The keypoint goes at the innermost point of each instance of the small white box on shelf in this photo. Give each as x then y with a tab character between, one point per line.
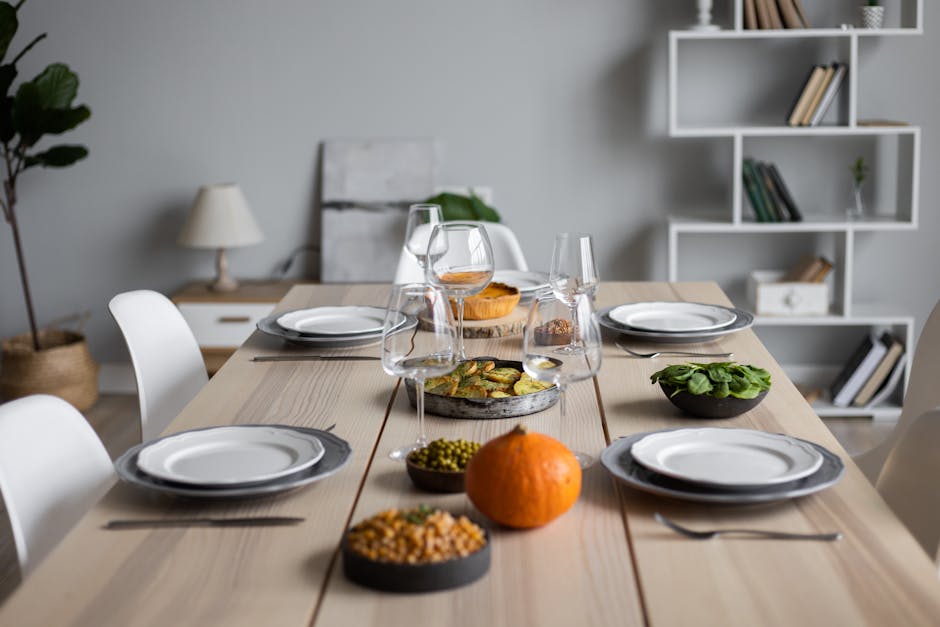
770	297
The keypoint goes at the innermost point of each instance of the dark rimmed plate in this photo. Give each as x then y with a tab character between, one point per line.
743	320
336	456
269	326
486	408
619	462
417	577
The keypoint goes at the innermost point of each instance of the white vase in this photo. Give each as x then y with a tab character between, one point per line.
872	17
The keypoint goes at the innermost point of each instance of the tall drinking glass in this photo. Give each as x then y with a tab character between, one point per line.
422	218
417	352
460	261
552	323
573	272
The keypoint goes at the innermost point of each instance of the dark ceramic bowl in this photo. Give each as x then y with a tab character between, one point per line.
435	480
705	406
416	577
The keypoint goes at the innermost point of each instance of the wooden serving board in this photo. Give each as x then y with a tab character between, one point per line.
511	324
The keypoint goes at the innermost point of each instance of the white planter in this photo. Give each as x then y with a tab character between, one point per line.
872	17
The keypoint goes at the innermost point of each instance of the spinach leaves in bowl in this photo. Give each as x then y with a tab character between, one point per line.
718	380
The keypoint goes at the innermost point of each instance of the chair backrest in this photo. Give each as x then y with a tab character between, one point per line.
507	253
910	480
53	468
922	394
168	365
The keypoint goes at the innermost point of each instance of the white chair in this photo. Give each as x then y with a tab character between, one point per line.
507	253
168	365
923	394
53	468
910	480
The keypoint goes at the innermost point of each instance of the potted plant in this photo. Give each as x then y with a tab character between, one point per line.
52	361
859	171
873	14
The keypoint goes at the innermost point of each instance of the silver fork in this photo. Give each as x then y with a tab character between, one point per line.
758	533
682	353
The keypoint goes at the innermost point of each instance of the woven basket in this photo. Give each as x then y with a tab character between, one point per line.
63	368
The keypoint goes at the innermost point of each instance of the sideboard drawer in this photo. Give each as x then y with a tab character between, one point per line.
223	325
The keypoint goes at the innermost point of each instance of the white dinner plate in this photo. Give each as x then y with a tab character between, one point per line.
336	457
619	462
522	280
333	320
673	317
743	320
727	458
226	456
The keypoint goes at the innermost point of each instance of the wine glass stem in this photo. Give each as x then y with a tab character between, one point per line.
561	400
461	354
419	396
573	342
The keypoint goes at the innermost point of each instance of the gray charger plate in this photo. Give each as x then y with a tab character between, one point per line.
743	320
336	456
269	326
619	462
486	408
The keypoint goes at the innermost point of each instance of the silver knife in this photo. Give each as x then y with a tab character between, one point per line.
314	358
251	521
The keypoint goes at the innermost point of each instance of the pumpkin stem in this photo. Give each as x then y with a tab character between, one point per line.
520	429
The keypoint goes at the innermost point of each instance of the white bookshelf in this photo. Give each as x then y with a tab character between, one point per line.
897	212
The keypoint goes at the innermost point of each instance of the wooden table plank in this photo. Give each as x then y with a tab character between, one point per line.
876	575
254	576
574	571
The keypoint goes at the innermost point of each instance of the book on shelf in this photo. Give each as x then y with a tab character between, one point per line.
817	95
770	190
789	14
802	14
829	95
766	11
806	95
750	15
809	269
753	191
889	386
857	370
882	371
788	202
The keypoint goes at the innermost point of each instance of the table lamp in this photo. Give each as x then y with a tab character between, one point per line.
220	219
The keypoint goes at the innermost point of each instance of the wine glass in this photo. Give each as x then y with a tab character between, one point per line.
553	322
573	272
421	220
417	352
460	261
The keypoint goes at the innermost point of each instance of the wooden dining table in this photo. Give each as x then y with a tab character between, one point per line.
604	562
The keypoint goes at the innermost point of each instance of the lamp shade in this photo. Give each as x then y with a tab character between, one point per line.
220	218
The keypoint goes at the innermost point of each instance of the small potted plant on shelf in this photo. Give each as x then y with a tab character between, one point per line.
859	171
873	14
52	361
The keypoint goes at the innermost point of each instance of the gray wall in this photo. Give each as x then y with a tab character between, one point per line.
559	106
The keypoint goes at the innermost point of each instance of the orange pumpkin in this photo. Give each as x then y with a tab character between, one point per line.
523	479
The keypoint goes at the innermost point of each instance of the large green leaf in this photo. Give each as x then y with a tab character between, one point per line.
27	113
58	156
57	121
7	130
460	207
8	26
58	86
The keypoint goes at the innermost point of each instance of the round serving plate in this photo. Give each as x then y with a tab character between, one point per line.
486	408
743	320
269	326
672	317
232	455
346	321
619	462
336	455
